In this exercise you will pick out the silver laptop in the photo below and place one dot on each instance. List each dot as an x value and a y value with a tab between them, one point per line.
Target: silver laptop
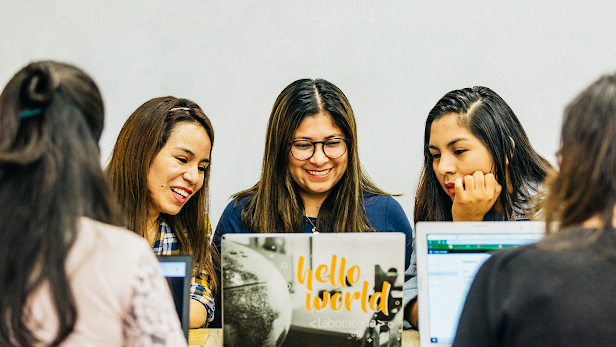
312	289
449	255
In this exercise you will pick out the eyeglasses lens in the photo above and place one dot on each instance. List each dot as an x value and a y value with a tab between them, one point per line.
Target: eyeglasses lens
304	150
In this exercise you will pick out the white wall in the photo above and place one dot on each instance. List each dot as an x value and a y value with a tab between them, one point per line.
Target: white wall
392	59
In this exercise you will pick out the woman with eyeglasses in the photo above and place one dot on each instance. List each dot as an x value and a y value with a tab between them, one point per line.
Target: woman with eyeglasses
312	180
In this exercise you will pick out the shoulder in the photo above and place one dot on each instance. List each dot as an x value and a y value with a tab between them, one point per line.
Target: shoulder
102	266
104	259
379	201
107	249
231	219
562	259
233	211
386	214
517	289
576	242
235	206
112	238
555	254
514	258
382	204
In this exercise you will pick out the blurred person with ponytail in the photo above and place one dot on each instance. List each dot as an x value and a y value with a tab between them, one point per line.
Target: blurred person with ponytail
67	276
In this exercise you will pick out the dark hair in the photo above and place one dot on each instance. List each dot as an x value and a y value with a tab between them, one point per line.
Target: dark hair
586	184
275	205
51	118
491	120
143	135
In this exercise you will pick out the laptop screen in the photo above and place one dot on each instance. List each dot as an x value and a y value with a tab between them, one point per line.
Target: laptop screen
452	262
449	254
327	289
176	269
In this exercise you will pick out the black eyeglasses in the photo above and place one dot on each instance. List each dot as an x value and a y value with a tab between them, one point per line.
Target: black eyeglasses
332	148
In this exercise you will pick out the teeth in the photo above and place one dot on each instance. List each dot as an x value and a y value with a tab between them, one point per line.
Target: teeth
319	173
180	192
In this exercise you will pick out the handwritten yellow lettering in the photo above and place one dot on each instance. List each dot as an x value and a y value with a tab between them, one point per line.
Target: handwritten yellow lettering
348	299
382	298
364	296
307	276
336	301
318	304
353	275
341	280
321	270
340	277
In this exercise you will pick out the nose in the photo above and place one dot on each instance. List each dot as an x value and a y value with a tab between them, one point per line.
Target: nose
446	165
319	158
191	174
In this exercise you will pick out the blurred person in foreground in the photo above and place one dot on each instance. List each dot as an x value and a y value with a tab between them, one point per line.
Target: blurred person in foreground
67	276
559	291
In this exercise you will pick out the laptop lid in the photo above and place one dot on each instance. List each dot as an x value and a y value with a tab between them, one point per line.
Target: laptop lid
448	257
177	269
312	289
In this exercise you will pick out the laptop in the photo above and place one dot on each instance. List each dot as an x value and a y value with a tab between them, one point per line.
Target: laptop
177	269
449	254
326	289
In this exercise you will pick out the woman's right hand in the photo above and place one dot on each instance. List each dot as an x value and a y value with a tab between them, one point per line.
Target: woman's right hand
475	195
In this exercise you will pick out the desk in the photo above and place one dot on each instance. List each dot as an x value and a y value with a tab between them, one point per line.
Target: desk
205	338
410	338
213	338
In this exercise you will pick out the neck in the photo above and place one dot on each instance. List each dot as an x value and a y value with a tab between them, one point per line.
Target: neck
595	222
152	228
312	204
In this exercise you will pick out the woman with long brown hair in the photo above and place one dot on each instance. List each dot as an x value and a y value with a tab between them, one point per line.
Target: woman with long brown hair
478	165
312	179
478	161
159	171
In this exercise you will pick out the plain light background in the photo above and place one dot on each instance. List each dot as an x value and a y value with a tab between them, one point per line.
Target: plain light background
393	60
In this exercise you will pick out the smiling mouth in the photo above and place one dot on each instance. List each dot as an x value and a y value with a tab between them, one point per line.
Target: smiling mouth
319	172
181	192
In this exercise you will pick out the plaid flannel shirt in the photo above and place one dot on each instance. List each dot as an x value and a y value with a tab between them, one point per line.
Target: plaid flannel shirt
167	244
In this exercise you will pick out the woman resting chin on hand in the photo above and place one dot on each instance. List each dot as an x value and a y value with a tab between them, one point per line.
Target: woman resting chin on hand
474	146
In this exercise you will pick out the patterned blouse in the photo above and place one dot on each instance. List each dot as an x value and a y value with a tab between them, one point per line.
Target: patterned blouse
166	243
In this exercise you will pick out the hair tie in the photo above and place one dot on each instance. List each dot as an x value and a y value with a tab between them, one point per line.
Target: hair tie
30	113
180	108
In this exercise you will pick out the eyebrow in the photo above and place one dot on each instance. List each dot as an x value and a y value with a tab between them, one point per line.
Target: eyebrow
451	143
326	138
190	153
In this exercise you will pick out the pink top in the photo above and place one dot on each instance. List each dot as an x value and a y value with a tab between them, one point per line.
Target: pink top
121	299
